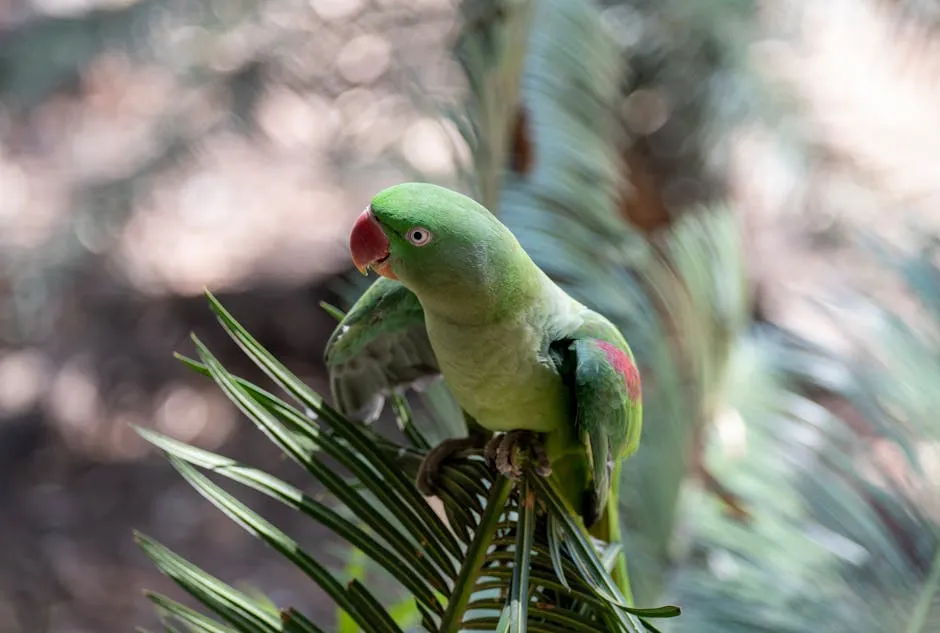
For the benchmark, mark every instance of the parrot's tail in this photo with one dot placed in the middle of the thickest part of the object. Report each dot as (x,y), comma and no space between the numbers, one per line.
(608,529)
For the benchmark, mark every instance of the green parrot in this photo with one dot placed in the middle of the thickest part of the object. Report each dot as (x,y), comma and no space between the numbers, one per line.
(554,383)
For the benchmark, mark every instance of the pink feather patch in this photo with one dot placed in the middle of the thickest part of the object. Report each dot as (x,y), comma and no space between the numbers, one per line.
(625,367)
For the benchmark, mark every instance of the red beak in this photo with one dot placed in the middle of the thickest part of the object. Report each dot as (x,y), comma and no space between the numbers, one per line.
(368,244)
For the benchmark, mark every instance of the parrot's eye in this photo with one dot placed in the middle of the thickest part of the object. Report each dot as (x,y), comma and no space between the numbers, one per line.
(419,236)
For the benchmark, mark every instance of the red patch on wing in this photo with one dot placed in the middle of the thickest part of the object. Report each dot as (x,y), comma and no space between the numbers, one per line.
(625,367)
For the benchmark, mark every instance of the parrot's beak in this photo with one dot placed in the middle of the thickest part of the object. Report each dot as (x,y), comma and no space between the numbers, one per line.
(369,245)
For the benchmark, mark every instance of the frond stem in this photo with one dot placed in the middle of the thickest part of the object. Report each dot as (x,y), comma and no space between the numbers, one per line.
(475,554)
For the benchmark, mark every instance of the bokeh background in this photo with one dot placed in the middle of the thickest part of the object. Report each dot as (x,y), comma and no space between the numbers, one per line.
(151,148)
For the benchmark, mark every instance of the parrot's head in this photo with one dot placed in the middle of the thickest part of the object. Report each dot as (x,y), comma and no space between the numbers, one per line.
(442,245)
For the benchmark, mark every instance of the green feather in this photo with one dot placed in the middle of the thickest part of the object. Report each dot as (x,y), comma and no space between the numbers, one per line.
(516,351)
(380,345)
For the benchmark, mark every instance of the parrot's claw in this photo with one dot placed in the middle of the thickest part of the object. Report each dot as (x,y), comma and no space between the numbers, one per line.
(510,452)
(430,469)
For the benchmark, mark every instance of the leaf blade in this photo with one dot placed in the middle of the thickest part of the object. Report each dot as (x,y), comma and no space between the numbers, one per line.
(232,605)
(259,527)
(424,522)
(519,590)
(393,561)
(194,620)
(475,555)
(289,443)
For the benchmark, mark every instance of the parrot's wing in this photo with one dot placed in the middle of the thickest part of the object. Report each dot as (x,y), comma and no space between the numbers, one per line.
(380,345)
(606,386)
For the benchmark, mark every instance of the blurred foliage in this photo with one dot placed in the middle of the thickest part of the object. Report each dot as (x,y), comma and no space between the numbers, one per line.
(124,127)
(836,474)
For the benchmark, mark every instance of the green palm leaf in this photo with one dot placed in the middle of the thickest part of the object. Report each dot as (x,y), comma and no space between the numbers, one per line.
(454,566)
(840,536)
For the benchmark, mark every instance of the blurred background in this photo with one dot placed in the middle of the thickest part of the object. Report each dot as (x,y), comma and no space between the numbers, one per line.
(151,148)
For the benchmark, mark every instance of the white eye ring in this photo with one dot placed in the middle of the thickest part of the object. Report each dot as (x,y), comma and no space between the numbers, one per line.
(418,235)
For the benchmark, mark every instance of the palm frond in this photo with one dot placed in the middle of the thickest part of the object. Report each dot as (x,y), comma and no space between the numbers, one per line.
(697,288)
(484,554)
(846,526)
(491,48)
(572,189)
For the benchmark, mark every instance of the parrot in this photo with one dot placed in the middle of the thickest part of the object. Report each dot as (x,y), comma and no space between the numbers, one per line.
(544,382)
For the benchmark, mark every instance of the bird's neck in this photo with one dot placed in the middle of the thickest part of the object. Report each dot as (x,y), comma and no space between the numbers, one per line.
(488,295)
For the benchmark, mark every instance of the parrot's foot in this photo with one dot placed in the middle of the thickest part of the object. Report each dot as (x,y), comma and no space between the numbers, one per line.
(510,452)
(429,471)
